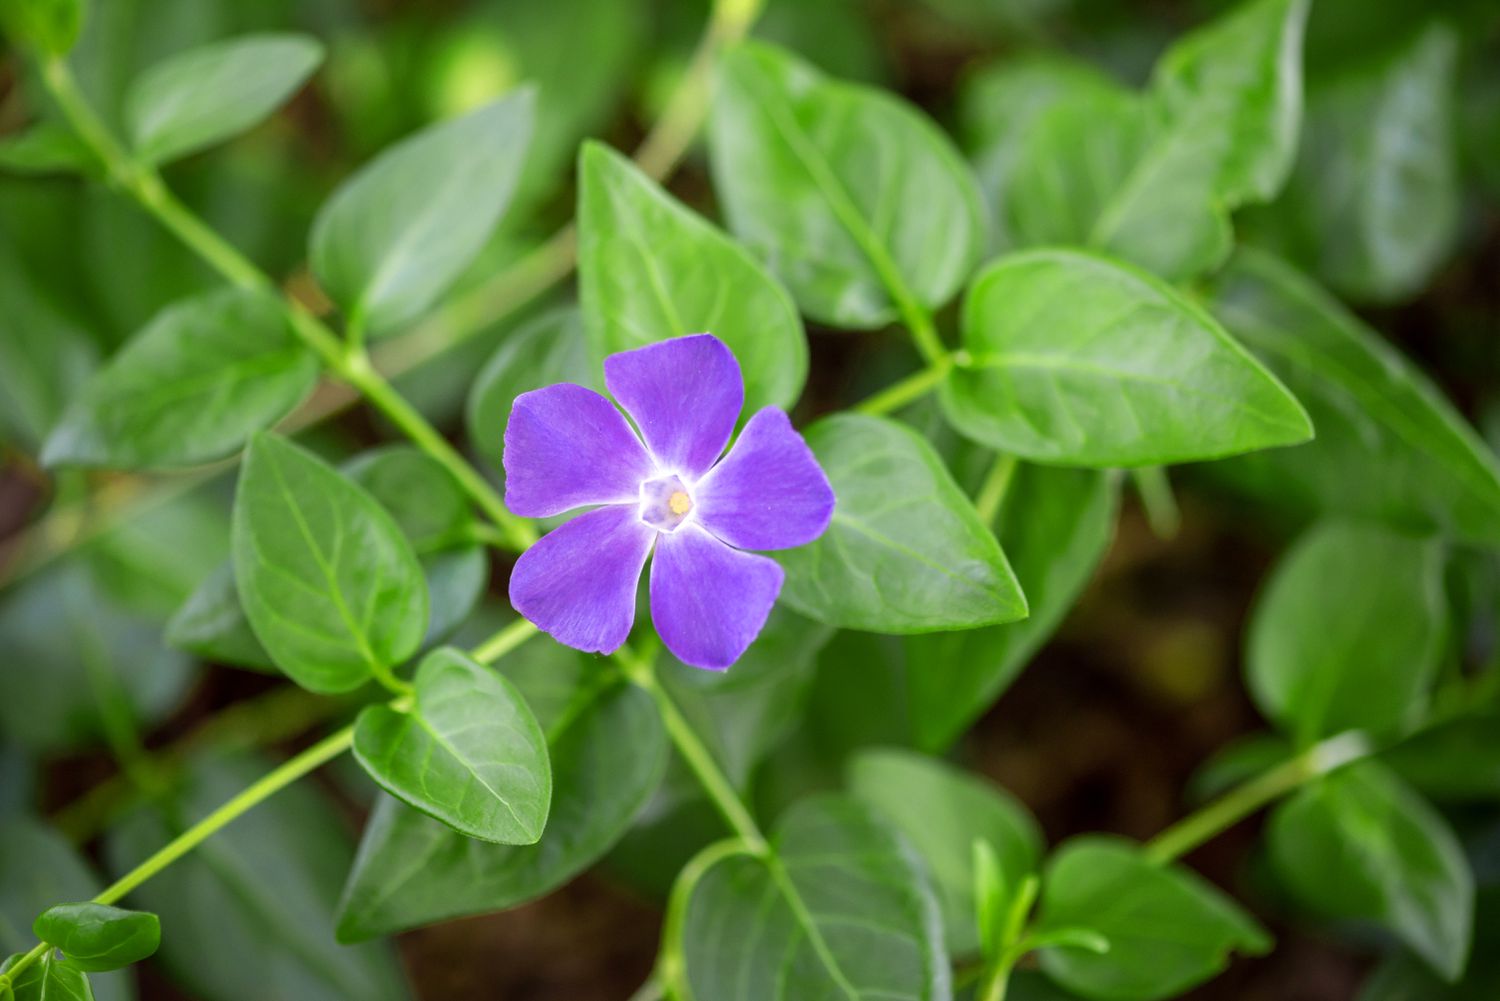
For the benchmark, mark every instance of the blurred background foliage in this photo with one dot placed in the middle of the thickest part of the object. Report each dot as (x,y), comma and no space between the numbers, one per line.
(1394,203)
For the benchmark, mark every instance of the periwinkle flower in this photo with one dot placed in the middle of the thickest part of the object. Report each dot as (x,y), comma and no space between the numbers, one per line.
(667,490)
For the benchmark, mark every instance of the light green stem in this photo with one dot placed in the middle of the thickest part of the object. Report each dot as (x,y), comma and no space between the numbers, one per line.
(908,390)
(352,365)
(994,488)
(640,670)
(1160,503)
(1243,800)
(503,642)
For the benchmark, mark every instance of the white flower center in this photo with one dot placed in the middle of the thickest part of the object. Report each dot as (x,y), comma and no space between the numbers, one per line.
(665,503)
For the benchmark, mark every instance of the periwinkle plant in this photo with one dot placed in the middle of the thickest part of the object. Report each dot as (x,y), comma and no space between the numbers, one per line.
(1135,278)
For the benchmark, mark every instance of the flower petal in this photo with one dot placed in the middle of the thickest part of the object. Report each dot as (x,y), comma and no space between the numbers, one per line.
(684,394)
(709,601)
(567,446)
(769,492)
(578,583)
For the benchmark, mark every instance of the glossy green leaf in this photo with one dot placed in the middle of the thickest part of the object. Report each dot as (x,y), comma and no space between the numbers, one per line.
(433,513)
(1165,215)
(942,811)
(201,97)
(1457,761)
(73,660)
(1389,445)
(1070,157)
(1315,665)
(249,913)
(37,869)
(427,502)
(45,355)
(1167,929)
(48,979)
(1055,527)
(456,581)
(1405,977)
(327,580)
(468,751)
(397,234)
(1076,359)
(148,564)
(1374,204)
(1242,75)
(211,624)
(651,269)
(844,190)
(551,348)
(999,108)
(203,376)
(1150,177)
(97,937)
(608,751)
(1360,845)
(905,552)
(845,913)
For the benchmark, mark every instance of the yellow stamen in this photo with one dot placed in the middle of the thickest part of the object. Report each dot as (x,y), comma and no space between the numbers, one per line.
(679,503)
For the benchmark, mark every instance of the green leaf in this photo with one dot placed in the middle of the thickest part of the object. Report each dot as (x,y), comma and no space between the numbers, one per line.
(37,869)
(51,26)
(45,356)
(148,564)
(397,234)
(46,148)
(211,624)
(73,659)
(1360,845)
(999,108)
(905,552)
(327,580)
(1457,761)
(428,504)
(191,387)
(456,581)
(1374,204)
(1075,359)
(1389,445)
(1404,977)
(841,910)
(1241,74)
(846,191)
(650,269)
(1151,177)
(97,937)
(551,348)
(1055,527)
(49,979)
(1167,929)
(943,811)
(198,98)
(249,913)
(468,751)
(1313,662)
(608,751)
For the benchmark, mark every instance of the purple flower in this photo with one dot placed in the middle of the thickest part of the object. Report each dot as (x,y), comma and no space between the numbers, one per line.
(568,447)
